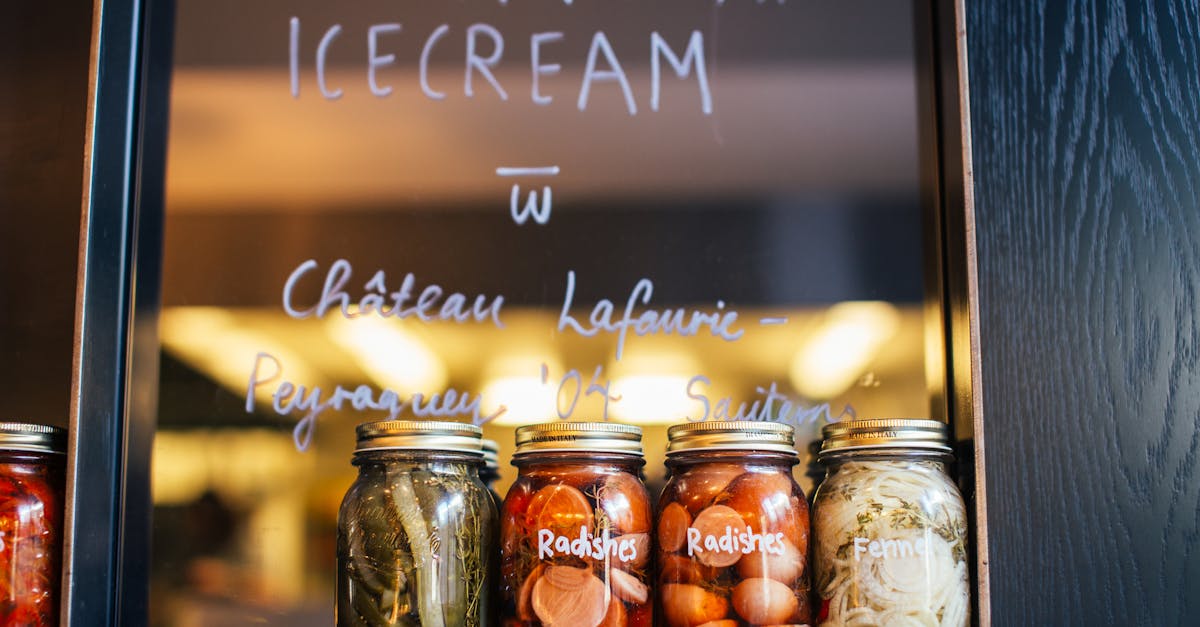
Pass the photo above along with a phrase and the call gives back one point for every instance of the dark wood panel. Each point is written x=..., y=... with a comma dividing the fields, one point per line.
x=1087, y=170
x=43, y=94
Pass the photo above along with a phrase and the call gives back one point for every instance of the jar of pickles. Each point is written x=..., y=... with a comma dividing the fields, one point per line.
x=32, y=463
x=732, y=535
x=489, y=472
x=575, y=528
x=890, y=527
x=414, y=528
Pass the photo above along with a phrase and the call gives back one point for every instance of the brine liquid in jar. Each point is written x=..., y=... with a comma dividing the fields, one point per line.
x=32, y=464
x=575, y=529
x=732, y=528
x=416, y=529
x=890, y=527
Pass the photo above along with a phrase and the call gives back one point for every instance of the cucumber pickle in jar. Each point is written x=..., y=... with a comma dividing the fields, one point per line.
x=889, y=527
x=732, y=533
x=415, y=528
x=575, y=528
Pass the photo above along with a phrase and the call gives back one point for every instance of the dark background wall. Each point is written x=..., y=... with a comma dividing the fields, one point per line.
x=43, y=95
x=1086, y=119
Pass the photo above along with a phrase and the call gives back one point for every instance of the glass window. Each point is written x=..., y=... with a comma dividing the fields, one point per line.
x=645, y=212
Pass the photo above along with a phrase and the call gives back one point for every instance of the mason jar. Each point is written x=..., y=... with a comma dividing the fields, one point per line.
x=32, y=464
x=732, y=534
x=890, y=527
x=414, y=528
x=575, y=528
x=489, y=472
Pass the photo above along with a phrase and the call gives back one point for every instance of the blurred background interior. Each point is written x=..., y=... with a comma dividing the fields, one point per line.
x=799, y=197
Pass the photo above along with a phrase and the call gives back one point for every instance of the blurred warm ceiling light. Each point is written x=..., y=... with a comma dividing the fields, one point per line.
x=214, y=342
x=515, y=382
x=652, y=386
x=390, y=354
x=838, y=352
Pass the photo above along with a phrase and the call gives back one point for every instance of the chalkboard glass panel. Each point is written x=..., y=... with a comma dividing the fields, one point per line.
x=646, y=212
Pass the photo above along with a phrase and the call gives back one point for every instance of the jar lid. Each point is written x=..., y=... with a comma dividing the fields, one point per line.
x=876, y=433
x=435, y=435
x=742, y=435
x=594, y=437
x=23, y=436
x=491, y=454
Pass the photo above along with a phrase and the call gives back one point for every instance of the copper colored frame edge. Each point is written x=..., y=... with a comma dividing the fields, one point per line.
x=975, y=386
x=73, y=421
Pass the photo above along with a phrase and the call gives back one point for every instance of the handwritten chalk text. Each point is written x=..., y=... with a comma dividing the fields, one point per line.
x=787, y=411
x=429, y=305
x=680, y=321
x=290, y=398
x=603, y=65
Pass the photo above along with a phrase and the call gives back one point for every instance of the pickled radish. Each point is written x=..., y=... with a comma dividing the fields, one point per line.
x=641, y=544
x=570, y=597
x=715, y=522
x=768, y=504
x=623, y=499
x=784, y=568
x=764, y=601
x=561, y=509
x=673, y=524
x=627, y=587
x=683, y=569
x=699, y=486
x=525, y=595
x=686, y=605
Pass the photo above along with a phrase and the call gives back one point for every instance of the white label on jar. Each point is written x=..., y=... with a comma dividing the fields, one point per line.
x=586, y=546
x=884, y=549
x=733, y=541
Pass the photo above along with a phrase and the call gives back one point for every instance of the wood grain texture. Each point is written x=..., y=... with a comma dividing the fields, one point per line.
x=1086, y=132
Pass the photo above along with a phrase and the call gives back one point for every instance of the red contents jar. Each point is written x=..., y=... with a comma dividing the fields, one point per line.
x=732, y=531
x=575, y=529
x=32, y=464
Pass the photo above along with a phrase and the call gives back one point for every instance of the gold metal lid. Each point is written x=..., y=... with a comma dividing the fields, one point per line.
x=434, y=435
x=877, y=433
x=491, y=454
x=736, y=435
x=23, y=436
x=593, y=437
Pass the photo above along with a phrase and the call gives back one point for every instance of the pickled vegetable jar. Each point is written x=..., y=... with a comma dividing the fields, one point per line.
x=414, y=528
x=32, y=462
x=575, y=528
x=489, y=472
x=732, y=532
x=890, y=527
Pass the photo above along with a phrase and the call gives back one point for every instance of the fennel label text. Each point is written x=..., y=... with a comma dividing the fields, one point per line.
x=888, y=549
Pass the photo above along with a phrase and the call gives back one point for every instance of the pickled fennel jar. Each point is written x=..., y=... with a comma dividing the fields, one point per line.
x=32, y=464
x=575, y=528
x=414, y=529
x=732, y=531
x=890, y=527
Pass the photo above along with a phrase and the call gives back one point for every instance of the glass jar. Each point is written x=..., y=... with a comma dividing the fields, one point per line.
x=414, y=528
x=489, y=472
x=575, y=528
x=32, y=464
x=890, y=527
x=732, y=540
